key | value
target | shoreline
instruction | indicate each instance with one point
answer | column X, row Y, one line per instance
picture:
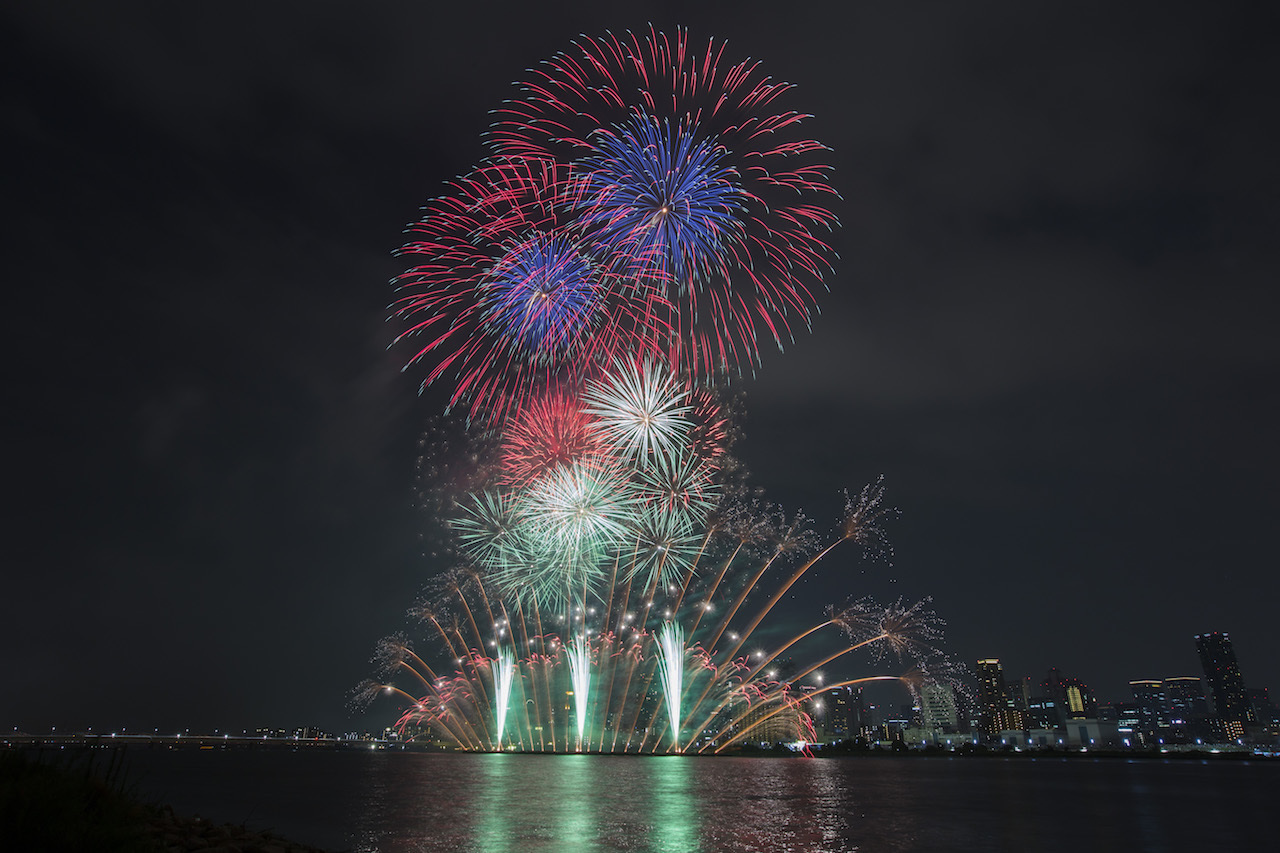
column 72, row 745
column 68, row 802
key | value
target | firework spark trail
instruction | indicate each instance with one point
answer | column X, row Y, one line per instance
column 671, row 653
column 471, row 657
column 504, row 673
column 519, row 632
column 612, row 672
column 580, row 674
column 752, row 671
column 860, row 525
column 853, row 682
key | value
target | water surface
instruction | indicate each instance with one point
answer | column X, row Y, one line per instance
column 393, row 801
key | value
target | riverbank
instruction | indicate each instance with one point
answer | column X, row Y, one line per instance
column 54, row 802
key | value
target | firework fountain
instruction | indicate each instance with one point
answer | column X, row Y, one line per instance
column 650, row 212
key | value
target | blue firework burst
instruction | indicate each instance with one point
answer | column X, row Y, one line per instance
column 663, row 198
column 542, row 295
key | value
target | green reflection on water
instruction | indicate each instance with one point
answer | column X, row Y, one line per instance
column 675, row 818
column 530, row 804
column 564, row 817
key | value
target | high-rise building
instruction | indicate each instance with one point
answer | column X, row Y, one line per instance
column 938, row 708
column 839, row 712
column 1189, row 717
column 1226, row 685
column 1263, row 708
column 1129, row 720
column 859, row 715
column 1042, row 712
column 990, row 690
column 998, row 701
column 1152, row 705
column 1071, row 697
column 1185, row 696
column 1080, row 701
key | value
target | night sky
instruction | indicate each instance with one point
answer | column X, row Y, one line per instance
column 1052, row 329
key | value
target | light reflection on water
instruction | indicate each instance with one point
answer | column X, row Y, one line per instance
column 530, row 804
column 392, row 802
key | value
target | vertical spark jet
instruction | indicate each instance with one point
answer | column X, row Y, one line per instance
column 580, row 673
column 671, row 662
column 504, row 671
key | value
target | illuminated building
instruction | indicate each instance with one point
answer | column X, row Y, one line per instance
column 840, row 713
column 1226, row 685
column 1071, row 697
column 768, row 728
column 990, row 690
column 938, row 708
column 1152, row 706
column 1189, row 717
column 1263, row 708
column 1130, row 722
column 1186, row 699
column 997, row 700
column 1042, row 711
column 1079, row 699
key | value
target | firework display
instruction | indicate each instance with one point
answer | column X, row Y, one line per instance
column 649, row 214
column 644, row 199
column 701, row 183
column 612, row 478
column 651, row 667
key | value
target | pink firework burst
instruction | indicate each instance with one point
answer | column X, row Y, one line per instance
column 504, row 299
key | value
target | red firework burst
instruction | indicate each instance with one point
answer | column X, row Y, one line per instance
column 709, row 430
column 505, row 301
column 547, row 432
column 697, row 176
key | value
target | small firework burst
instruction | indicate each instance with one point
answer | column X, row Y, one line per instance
column 580, row 503
column 576, row 517
column 666, row 546
column 549, row 432
column 543, row 295
column 678, row 484
column 362, row 696
column 639, row 409
column 391, row 653
column 489, row 529
column 909, row 632
column 862, row 519
column 794, row 539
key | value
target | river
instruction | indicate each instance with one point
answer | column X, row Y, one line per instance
column 404, row 802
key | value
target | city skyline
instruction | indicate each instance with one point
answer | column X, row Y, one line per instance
column 1048, row 328
column 891, row 696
